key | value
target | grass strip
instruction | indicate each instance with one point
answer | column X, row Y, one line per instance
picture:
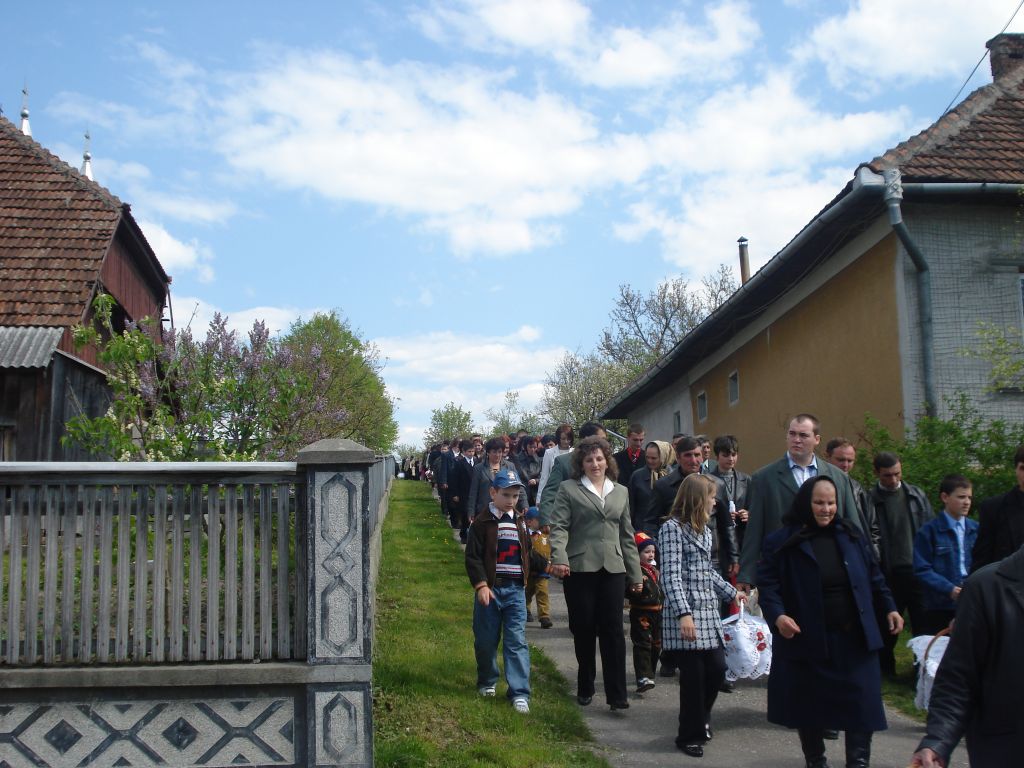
column 425, row 706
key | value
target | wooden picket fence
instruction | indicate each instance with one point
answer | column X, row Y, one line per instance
column 151, row 563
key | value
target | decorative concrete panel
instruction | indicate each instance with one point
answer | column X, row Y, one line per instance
column 342, row 733
column 337, row 555
column 213, row 732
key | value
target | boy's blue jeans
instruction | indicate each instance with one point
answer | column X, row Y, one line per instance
column 507, row 611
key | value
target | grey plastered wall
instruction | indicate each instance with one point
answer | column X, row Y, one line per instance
column 967, row 247
column 657, row 413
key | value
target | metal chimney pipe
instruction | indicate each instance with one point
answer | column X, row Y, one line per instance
column 744, row 261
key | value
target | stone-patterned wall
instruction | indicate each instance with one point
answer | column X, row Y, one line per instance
column 115, row 728
column 960, row 242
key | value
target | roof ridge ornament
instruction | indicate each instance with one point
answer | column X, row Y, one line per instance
column 87, row 158
column 25, row 127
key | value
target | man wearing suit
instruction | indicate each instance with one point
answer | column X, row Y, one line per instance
column 561, row 470
column 460, row 477
column 1001, row 522
column 773, row 488
column 630, row 458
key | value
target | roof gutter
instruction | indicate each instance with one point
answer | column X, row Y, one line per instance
column 893, row 197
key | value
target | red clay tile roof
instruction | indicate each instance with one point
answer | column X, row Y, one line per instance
column 980, row 140
column 55, row 229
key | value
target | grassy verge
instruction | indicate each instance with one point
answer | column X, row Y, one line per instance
column 425, row 706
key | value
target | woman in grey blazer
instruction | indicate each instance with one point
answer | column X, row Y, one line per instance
column 592, row 549
column 691, row 629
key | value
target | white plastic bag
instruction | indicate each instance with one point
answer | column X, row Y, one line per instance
column 928, row 651
column 748, row 646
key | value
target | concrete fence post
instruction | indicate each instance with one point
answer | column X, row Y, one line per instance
column 340, row 516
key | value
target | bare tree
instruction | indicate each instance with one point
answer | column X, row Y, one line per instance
column 644, row 327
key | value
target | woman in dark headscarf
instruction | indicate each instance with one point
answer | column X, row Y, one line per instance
column 819, row 584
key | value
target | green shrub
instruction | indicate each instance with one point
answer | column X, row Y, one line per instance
column 963, row 443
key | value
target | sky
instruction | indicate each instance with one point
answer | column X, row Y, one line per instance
column 468, row 182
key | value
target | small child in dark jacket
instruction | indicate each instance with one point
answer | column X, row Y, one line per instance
column 645, row 615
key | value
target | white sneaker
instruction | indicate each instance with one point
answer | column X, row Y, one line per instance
column 644, row 684
column 521, row 705
column 486, row 690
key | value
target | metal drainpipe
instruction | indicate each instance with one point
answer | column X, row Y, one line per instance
column 893, row 197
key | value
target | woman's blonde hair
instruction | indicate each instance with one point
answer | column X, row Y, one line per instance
column 693, row 502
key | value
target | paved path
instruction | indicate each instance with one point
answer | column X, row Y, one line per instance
column 642, row 736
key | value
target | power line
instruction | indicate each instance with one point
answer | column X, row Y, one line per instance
column 1007, row 24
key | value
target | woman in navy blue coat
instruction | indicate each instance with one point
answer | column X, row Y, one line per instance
column 819, row 584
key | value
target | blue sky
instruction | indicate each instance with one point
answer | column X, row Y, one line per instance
column 469, row 181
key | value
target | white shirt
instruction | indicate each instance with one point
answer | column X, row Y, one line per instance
column 605, row 489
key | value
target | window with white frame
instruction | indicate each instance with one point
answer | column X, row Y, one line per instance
column 702, row 406
column 677, row 422
column 733, row 387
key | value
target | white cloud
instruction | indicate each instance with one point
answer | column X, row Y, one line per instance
column 879, row 41
column 604, row 56
column 178, row 256
column 530, row 24
column 490, row 168
column 756, row 160
column 196, row 313
column 474, row 358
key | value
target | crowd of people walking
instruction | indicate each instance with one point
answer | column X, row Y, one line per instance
column 676, row 530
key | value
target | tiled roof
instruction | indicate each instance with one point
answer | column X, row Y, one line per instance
column 980, row 140
column 22, row 347
column 55, row 228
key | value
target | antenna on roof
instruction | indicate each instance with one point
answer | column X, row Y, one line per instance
column 87, row 158
column 25, row 127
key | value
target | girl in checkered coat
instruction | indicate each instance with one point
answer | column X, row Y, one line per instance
column 691, row 624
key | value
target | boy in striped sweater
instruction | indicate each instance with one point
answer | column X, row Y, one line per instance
column 499, row 560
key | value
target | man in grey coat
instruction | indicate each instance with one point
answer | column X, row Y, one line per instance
column 773, row 488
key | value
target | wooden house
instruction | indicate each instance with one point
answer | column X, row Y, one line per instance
column 63, row 238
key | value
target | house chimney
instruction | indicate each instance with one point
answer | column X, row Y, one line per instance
column 87, row 159
column 25, row 127
column 1005, row 53
column 744, row 261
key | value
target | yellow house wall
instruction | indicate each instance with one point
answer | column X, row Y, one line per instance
column 835, row 354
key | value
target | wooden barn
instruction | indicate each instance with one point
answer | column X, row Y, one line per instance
column 63, row 238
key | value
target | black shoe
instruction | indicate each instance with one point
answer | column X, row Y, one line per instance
column 545, row 623
column 821, row 762
column 828, row 733
column 618, row 705
column 667, row 671
column 584, row 701
column 727, row 686
column 693, row 750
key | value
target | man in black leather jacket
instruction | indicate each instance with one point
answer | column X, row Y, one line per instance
column 977, row 688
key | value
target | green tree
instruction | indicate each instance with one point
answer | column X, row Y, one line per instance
column 962, row 443
column 325, row 356
column 447, row 422
column 1003, row 349
column 183, row 399
column 510, row 418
